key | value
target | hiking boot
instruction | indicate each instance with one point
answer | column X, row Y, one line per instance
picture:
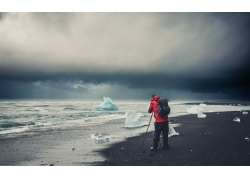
column 165, row 147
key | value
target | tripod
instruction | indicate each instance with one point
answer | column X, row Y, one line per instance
column 146, row 131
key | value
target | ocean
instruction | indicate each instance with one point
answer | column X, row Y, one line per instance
column 20, row 117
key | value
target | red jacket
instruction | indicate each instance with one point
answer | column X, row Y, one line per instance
column 153, row 108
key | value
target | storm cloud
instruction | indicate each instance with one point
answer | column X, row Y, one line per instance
column 71, row 55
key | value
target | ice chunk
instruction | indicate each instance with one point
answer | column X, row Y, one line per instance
column 106, row 105
column 247, row 138
column 244, row 112
column 200, row 115
column 197, row 110
column 101, row 137
column 134, row 120
column 171, row 131
column 236, row 119
column 186, row 105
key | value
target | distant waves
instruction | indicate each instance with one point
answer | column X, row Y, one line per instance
column 17, row 117
column 24, row 116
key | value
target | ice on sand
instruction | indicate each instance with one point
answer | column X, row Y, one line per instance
column 106, row 105
column 201, row 115
column 101, row 137
column 236, row 119
column 171, row 131
column 203, row 105
column 197, row 109
column 134, row 120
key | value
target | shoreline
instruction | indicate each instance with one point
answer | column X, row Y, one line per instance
column 232, row 103
column 63, row 147
column 75, row 147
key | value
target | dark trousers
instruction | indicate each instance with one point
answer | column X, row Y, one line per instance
column 160, row 127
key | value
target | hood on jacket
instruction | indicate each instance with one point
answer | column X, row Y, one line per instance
column 155, row 98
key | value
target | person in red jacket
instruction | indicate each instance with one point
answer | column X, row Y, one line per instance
column 160, row 124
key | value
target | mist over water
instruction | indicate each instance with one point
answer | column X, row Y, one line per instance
column 18, row 117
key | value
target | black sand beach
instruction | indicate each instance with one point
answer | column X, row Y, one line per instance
column 216, row 140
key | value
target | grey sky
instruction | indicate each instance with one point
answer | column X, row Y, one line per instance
column 125, row 55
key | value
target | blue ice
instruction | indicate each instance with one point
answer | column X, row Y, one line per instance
column 134, row 120
column 106, row 105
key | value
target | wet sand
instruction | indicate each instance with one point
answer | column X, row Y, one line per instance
column 212, row 141
column 63, row 147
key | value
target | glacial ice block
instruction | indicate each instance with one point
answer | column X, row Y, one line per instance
column 236, row 119
column 134, row 120
column 197, row 109
column 106, row 105
column 200, row 115
column 171, row 131
column 101, row 137
column 202, row 105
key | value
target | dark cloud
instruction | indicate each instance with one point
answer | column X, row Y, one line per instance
column 233, row 83
column 197, row 53
column 44, row 90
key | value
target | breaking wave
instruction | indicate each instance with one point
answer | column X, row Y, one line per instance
column 27, row 116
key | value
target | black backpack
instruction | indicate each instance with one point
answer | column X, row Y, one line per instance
column 163, row 108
